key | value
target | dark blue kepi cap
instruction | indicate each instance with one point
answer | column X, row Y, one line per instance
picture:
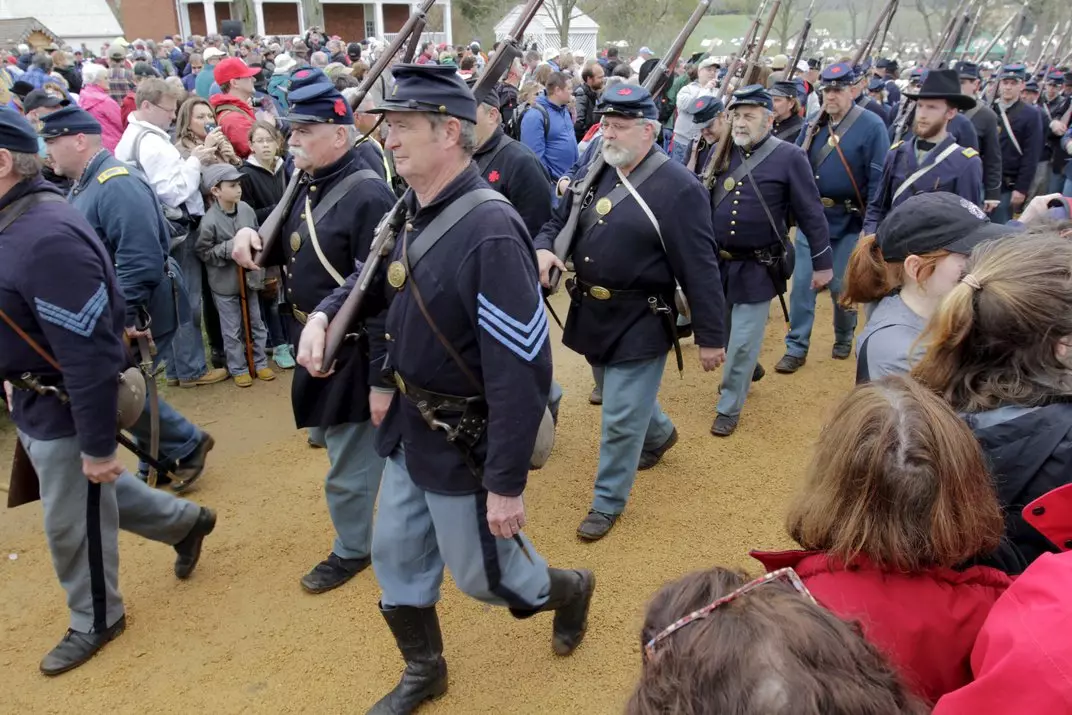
column 706, row 108
column 877, row 84
column 16, row 134
column 628, row 100
column 313, row 99
column 967, row 70
column 785, row 88
column 69, row 121
column 1016, row 71
column 754, row 95
column 428, row 88
column 839, row 74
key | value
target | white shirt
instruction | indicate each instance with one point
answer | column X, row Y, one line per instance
column 684, row 127
column 175, row 180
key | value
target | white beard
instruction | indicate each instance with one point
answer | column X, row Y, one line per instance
column 617, row 156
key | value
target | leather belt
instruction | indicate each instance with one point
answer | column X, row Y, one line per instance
column 434, row 400
column 577, row 288
column 846, row 204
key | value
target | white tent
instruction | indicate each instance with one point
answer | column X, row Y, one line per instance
column 583, row 30
column 75, row 21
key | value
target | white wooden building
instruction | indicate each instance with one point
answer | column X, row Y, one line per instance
column 583, row 31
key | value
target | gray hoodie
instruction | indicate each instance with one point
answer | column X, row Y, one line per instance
column 215, row 239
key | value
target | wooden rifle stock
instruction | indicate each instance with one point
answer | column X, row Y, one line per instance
column 382, row 245
column 823, row 117
column 801, row 41
column 655, row 83
column 270, row 230
column 509, row 50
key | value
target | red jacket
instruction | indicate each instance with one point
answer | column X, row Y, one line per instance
column 128, row 105
column 924, row 623
column 235, row 117
column 1023, row 657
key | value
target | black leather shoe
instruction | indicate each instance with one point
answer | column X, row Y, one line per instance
column 190, row 469
column 650, row 457
column 76, row 648
column 596, row 398
column 419, row 639
column 759, row 373
column 570, row 597
column 790, row 364
column 841, row 352
column 724, row 425
column 596, row 525
column 189, row 549
column 333, row 572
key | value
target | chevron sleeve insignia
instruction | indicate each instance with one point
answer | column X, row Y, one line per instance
column 522, row 339
column 969, row 152
column 80, row 323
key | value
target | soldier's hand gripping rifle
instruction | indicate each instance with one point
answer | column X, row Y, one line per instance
column 272, row 228
column 720, row 157
column 387, row 230
column 656, row 83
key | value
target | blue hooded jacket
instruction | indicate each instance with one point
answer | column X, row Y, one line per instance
column 557, row 146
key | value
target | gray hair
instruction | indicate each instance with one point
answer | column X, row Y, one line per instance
column 43, row 61
column 467, row 135
column 319, row 59
column 93, row 73
column 26, row 166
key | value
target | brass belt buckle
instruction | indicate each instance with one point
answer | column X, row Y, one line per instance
column 828, row 203
column 301, row 316
column 599, row 293
column 401, row 383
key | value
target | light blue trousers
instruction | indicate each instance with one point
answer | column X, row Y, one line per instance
column 418, row 532
column 632, row 422
column 802, row 298
column 748, row 322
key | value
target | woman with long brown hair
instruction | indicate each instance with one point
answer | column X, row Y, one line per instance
column 713, row 642
column 999, row 350
column 916, row 258
column 896, row 502
column 195, row 124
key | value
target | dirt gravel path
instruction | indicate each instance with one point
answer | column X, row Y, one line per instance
column 242, row 637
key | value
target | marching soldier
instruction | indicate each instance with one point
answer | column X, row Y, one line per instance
column 1056, row 110
column 709, row 114
column 329, row 228
column 846, row 155
column 959, row 127
column 466, row 336
column 862, row 96
column 876, row 88
column 985, row 122
column 931, row 160
column 886, row 70
column 1021, row 139
column 766, row 181
column 124, row 212
column 640, row 233
column 61, row 353
column 510, row 167
column 787, row 119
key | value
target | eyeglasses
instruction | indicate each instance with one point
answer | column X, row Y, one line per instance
column 787, row 575
column 169, row 110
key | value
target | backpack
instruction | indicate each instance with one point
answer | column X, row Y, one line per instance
column 513, row 127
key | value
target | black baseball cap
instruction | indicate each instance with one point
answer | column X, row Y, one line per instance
column 934, row 222
column 40, row 98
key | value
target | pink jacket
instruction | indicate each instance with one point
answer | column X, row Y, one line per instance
column 99, row 103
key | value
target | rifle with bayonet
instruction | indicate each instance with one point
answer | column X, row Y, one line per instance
column 272, row 228
column 1010, row 52
column 744, row 50
column 655, row 83
column 971, row 33
column 720, row 157
column 802, row 40
column 823, row 117
column 994, row 40
column 885, row 31
column 391, row 224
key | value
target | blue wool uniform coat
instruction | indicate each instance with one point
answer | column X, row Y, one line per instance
column 1018, row 169
column 480, row 285
column 788, row 187
column 622, row 252
column 58, row 285
column 123, row 210
column 864, row 146
column 516, row 173
column 960, row 128
column 960, row 173
column 345, row 234
column 864, row 101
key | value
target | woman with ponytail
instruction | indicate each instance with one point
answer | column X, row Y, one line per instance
column 999, row 350
column 916, row 258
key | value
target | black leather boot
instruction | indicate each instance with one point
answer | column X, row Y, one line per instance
column 571, row 594
column 417, row 634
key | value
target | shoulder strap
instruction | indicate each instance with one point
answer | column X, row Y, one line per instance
column 973, row 111
column 486, row 160
column 920, row 172
column 757, row 158
column 19, row 206
column 333, row 197
column 446, row 220
column 637, row 177
column 838, row 133
column 136, row 150
column 1008, row 129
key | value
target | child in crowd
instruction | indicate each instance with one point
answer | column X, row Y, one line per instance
column 896, row 505
column 713, row 642
column 264, row 179
column 215, row 237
